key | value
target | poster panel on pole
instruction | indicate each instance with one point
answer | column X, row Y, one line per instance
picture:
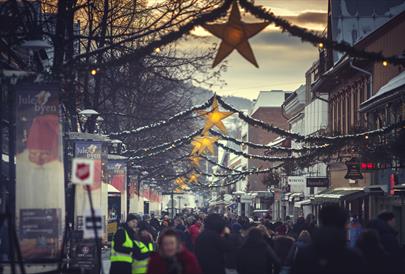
column 117, row 174
column 91, row 150
column 40, row 189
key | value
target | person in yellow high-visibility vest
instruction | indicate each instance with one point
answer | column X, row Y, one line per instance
column 123, row 247
column 146, row 247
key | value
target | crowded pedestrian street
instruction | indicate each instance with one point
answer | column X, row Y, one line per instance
column 202, row 136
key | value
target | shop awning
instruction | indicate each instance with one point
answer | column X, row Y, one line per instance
column 295, row 196
column 339, row 194
column 302, row 203
column 262, row 194
column 399, row 190
column 218, row 203
column 112, row 189
column 376, row 189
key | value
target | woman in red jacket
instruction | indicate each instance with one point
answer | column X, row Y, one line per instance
column 172, row 257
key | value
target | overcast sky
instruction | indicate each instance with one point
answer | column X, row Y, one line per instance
column 283, row 59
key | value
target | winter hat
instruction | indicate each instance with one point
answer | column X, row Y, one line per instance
column 132, row 216
column 44, row 135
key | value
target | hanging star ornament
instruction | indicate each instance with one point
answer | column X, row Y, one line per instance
column 215, row 117
column 195, row 160
column 196, row 147
column 179, row 180
column 193, row 178
column 235, row 35
column 203, row 143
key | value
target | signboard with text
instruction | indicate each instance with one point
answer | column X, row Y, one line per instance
column 84, row 254
column 296, row 180
column 317, row 182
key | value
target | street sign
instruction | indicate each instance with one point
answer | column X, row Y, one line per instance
column 82, row 171
column 83, row 254
column 90, row 225
column 317, row 181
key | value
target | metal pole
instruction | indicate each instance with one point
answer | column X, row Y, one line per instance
column 2, row 181
column 96, row 238
column 11, row 186
column 11, row 152
column 172, row 198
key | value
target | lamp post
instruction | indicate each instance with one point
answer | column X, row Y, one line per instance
column 238, row 195
column 87, row 117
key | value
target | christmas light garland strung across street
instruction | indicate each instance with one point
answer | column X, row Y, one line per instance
column 173, row 35
column 176, row 143
column 309, row 139
column 256, row 11
column 161, row 123
column 315, row 39
column 306, row 152
column 166, row 163
column 244, row 174
column 217, row 164
column 167, row 146
column 266, row 158
column 268, row 147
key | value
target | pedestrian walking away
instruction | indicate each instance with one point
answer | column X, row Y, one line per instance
column 212, row 244
column 255, row 255
column 328, row 252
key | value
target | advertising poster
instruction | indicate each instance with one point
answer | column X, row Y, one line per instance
column 40, row 192
column 117, row 174
column 91, row 150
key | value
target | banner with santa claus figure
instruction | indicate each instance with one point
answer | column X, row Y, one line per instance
column 40, row 190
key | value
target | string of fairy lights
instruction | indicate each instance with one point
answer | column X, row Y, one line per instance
column 235, row 34
column 204, row 140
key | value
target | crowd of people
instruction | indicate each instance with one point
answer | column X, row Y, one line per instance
column 216, row 244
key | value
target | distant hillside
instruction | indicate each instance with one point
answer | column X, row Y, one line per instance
column 201, row 95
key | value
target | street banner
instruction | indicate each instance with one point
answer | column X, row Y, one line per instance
column 91, row 150
column 40, row 193
column 117, row 174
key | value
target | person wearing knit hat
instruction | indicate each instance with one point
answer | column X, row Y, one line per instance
column 123, row 246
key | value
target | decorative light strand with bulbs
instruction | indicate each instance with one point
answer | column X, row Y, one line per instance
column 235, row 35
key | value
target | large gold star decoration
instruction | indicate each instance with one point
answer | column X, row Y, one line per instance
column 193, row 178
column 235, row 34
column 203, row 143
column 215, row 117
